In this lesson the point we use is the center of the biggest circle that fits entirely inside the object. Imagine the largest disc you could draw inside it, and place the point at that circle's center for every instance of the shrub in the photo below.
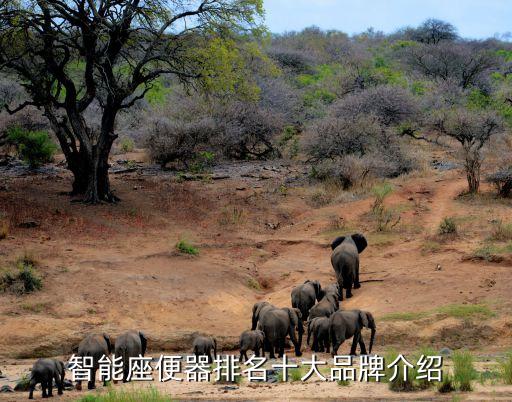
(22, 279)
(134, 395)
(34, 147)
(502, 181)
(171, 141)
(446, 385)
(399, 384)
(501, 231)
(463, 370)
(383, 215)
(127, 144)
(506, 369)
(186, 248)
(447, 226)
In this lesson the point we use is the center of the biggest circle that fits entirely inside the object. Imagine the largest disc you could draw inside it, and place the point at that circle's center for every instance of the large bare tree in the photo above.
(78, 56)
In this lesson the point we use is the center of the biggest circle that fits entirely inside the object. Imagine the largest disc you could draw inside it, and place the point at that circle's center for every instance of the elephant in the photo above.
(319, 328)
(130, 344)
(345, 261)
(203, 346)
(251, 340)
(95, 346)
(329, 303)
(349, 323)
(276, 324)
(305, 296)
(44, 371)
(258, 310)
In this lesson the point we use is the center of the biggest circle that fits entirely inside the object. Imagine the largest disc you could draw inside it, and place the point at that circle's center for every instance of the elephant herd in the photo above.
(319, 307)
(328, 325)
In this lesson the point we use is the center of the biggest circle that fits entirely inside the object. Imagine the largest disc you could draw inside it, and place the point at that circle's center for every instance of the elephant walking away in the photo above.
(204, 346)
(251, 340)
(129, 344)
(277, 324)
(44, 372)
(319, 328)
(95, 346)
(329, 303)
(305, 296)
(347, 324)
(258, 310)
(345, 261)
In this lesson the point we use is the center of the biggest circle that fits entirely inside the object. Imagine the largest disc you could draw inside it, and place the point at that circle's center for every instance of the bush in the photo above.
(186, 248)
(506, 369)
(135, 395)
(502, 180)
(446, 385)
(502, 231)
(463, 370)
(127, 144)
(22, 279)
(399, 384)
(34, 147)
(447, 226)
(171, 141)
(385, 217)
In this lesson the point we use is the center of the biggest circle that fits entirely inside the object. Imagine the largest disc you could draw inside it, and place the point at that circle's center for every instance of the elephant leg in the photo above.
(355, 341)
(59, 383)
(126, 372)
(362, 346)
(245, 355)
(31, 388)
(335, 346)
(44, 386)
(281, 347)
(92, 384)
(357, 284)
(78, 385)
(321, 347)
(326, 344)
(270, 348)
(50, 387)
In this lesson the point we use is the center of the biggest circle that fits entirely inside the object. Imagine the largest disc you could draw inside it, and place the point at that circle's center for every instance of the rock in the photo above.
(229, 388)
(445, 351)
(28, 224)
(439, 267)
(6, 389)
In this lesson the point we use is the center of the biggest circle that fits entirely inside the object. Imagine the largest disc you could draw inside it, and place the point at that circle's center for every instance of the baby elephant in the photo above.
(251, 340)
(45, 371)
(203, 346)
(319, 328)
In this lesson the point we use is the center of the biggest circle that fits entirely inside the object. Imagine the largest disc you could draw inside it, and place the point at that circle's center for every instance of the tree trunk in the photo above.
(98, 183)
(473, 171)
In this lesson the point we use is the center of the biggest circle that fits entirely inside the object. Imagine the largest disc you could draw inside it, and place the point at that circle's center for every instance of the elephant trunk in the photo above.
(371, 340)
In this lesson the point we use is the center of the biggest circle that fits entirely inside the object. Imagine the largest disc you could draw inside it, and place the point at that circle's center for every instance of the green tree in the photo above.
(75, 56)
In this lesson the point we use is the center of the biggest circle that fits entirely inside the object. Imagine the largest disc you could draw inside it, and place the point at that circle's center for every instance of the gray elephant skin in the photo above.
(305, 296)
(44, 372)
(347, 324)
(318, 328)
(345, 260)
(277, 323)
(258, 310)
(95, 346)
(329, 303)
(129, 344)
(204, 346)
(251, 340)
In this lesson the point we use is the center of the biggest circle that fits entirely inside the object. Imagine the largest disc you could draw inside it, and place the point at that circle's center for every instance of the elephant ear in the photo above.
(143, 342)
(337, 241)
(360, 242)
(364, 319)
(109, 344)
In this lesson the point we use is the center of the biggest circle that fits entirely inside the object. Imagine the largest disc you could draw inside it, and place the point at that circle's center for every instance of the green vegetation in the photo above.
(491, 252)
(253, 284)
(463, 371)
(385, 217)
(399, 384)
(133, 395)
(451, 310)
(34, 147)
(506, 369)
(447, 226)
(446, 385)
(185, 247)
(126, 144)
(21, 279)
(501, 231)
(295, 374)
